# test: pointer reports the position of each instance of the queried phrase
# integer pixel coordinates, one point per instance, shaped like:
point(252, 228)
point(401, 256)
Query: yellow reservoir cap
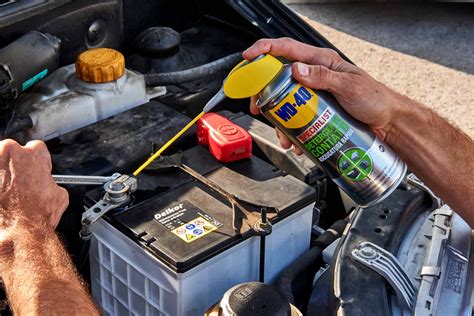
point(100, 65)
point(248, 78)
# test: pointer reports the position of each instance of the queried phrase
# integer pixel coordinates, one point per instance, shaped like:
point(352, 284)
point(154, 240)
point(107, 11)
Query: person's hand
point(363, 97)
point(29, 194)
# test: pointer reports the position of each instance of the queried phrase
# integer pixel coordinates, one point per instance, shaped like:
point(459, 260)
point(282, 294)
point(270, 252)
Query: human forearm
point(438, 153)
point(38, 275)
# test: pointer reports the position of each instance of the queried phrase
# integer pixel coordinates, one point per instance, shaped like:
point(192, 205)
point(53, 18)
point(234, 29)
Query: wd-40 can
point(347, 150)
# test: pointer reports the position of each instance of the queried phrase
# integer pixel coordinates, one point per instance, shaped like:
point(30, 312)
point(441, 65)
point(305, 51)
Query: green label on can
point(28, 83)
point(326, 135)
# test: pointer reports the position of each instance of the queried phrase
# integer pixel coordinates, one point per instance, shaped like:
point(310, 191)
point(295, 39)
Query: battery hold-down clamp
point(245, 213)
point(118, 190)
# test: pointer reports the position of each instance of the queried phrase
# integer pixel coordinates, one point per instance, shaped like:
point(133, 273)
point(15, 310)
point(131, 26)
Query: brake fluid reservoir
point(96, 87)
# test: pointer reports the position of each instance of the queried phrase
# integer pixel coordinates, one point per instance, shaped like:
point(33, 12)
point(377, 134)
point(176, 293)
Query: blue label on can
point(28, 83)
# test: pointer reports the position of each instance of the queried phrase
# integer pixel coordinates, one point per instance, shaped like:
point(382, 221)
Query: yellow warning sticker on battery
point(194, 229)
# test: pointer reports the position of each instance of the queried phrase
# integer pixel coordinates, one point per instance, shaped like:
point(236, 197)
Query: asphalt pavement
point(425, 51)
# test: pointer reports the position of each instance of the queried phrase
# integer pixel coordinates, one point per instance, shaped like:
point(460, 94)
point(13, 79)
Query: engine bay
point(194, 228)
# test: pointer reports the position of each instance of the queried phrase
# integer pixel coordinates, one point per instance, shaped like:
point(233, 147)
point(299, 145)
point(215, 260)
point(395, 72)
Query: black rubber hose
point(169, 78)
point(286, 278)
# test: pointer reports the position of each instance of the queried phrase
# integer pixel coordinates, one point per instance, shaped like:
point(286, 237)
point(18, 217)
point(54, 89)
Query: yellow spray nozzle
point(248, 78)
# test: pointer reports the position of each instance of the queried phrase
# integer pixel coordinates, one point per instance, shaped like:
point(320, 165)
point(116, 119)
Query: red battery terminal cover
point(226, 140)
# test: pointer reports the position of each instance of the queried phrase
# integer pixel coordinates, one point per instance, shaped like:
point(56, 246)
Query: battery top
point(191, 223)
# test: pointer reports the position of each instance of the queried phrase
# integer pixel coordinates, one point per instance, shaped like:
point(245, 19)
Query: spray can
point(347, 150)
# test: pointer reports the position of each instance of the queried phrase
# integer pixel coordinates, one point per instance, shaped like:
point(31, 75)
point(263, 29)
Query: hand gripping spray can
point(347, 150)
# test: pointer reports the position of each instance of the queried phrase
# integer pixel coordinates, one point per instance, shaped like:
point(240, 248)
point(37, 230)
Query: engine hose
point(170, 78)
point(286, 278)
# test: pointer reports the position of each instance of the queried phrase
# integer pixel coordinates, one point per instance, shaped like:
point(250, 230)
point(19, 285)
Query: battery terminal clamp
point(226, 140)
point(118, 191)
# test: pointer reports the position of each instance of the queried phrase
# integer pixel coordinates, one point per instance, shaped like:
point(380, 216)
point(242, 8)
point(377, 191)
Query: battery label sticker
point(297, 109)
point(194, 229)
point(187, 221)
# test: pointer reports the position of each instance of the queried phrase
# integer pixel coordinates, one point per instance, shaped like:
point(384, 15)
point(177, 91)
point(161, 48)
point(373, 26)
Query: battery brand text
point(168, 211)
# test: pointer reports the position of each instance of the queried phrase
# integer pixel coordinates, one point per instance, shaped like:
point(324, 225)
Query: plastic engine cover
point(404, 225)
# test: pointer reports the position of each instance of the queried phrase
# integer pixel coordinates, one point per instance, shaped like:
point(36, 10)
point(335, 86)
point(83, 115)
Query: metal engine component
point(413, 180)
point(242, 209)
point(63, 103)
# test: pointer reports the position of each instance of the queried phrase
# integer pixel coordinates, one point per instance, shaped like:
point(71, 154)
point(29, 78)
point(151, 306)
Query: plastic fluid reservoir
point(96, 87)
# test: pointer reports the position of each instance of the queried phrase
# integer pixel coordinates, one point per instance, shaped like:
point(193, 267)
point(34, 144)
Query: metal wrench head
point(117, 194)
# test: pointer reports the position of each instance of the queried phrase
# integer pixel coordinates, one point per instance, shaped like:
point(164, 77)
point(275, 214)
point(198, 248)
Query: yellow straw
point(168, 144)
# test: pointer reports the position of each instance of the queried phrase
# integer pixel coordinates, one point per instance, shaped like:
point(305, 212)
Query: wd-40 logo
point(297, 109)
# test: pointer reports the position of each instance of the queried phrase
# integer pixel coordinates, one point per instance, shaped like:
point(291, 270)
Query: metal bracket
point(384, 263)
point(242, 210)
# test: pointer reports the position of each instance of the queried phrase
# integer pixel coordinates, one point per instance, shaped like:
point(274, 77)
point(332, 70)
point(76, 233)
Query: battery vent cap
point(100, 65)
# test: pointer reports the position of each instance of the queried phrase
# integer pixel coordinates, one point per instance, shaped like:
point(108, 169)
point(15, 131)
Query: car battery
point(177, 252)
